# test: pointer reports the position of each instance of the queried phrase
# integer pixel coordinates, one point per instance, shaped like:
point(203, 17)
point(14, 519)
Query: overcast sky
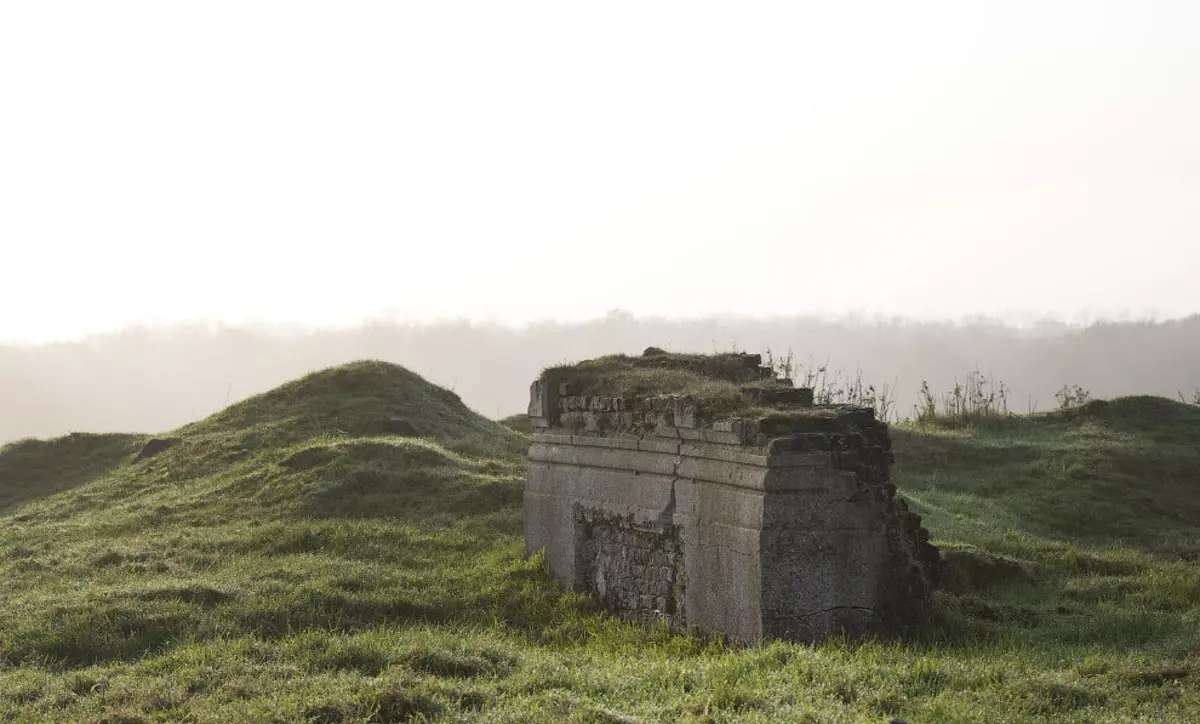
point(326, 162)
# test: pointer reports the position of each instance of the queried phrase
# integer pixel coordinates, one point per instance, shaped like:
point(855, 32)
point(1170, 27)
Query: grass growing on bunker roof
point(290, 560)
point(711, 380)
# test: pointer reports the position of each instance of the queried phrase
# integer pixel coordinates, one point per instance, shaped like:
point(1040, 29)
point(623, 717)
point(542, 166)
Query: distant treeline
point(150, 380)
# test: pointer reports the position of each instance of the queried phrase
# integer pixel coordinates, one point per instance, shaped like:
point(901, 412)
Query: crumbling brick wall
point(633, 569)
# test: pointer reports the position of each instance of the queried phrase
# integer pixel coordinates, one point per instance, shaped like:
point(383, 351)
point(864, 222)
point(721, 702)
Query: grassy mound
point(1125, 472)
point(357, 399)
point(519, 422)
point(302, 556)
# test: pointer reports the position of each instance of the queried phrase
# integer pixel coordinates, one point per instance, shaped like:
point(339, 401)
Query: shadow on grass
point(129, 623)
point(408, 481)
point(1054, 597)
point(33, 469)
point(1098, 480)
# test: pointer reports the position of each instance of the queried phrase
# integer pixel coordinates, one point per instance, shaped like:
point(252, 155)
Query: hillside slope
point(348, 548)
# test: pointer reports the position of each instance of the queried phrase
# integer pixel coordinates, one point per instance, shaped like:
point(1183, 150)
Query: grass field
point(289, 560)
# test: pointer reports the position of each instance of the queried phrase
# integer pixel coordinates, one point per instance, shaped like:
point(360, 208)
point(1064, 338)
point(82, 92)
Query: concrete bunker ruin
point(732, 505)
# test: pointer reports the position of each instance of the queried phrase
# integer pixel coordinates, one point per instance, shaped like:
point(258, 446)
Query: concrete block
point(800, 460)
point(667, 431)
point(543, 399)
point(686, 412)
point(709, 532)
point(727, 453)
point(721, 472)
point(601, 441)
point(670, 447)
point(652, 463)
point(722, 438)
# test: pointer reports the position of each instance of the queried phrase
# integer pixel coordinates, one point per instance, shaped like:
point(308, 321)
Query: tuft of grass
point(1072, 396)
point(837, 387)
point(978, 400)
point(290, 560)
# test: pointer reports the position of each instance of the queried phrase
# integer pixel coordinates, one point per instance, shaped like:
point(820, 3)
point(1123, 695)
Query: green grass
point(289, 561)
point(711, 380)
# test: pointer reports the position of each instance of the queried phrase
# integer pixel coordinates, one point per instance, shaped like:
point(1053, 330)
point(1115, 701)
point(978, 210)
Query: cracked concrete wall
point(718, 586)
point(750, 545)
point(783, 526)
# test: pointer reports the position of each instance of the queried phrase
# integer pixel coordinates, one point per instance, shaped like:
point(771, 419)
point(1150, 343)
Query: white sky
point(325, 162)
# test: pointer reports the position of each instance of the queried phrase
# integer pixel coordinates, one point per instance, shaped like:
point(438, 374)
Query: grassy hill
point(348, 548)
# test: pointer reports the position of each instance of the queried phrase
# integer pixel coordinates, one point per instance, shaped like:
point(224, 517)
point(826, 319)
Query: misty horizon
point(470, 190)
point(155, 379)
point(1024, 322)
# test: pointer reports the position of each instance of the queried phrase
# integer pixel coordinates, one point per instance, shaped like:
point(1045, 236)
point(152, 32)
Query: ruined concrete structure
point(749, 528)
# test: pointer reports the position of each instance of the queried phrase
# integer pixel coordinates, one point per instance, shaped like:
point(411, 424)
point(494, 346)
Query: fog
point(274, 162)
point(154, 379)
point(271, 163)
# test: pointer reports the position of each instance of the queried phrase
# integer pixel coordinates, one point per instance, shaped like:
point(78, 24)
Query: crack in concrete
point(792, 525)
point(713, 546)
point(667, 516)
point(830, 610)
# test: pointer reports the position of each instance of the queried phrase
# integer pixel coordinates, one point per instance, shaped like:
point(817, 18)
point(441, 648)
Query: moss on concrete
point(723, 385)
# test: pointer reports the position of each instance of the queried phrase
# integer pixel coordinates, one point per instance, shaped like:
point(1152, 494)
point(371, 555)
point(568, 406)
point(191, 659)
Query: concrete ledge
point(722, 438)
point(732, 452)
point(800, 460)
point(735, 468)
point(670, 447)
point(727, 453)
point(599, 457)
point(619, 443)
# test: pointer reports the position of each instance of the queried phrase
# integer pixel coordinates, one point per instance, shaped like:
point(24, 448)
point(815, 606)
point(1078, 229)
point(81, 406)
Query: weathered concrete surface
point(726, 529)
point(716, 539)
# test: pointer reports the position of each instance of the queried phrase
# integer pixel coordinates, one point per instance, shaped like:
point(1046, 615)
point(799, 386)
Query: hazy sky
point(322, 162)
